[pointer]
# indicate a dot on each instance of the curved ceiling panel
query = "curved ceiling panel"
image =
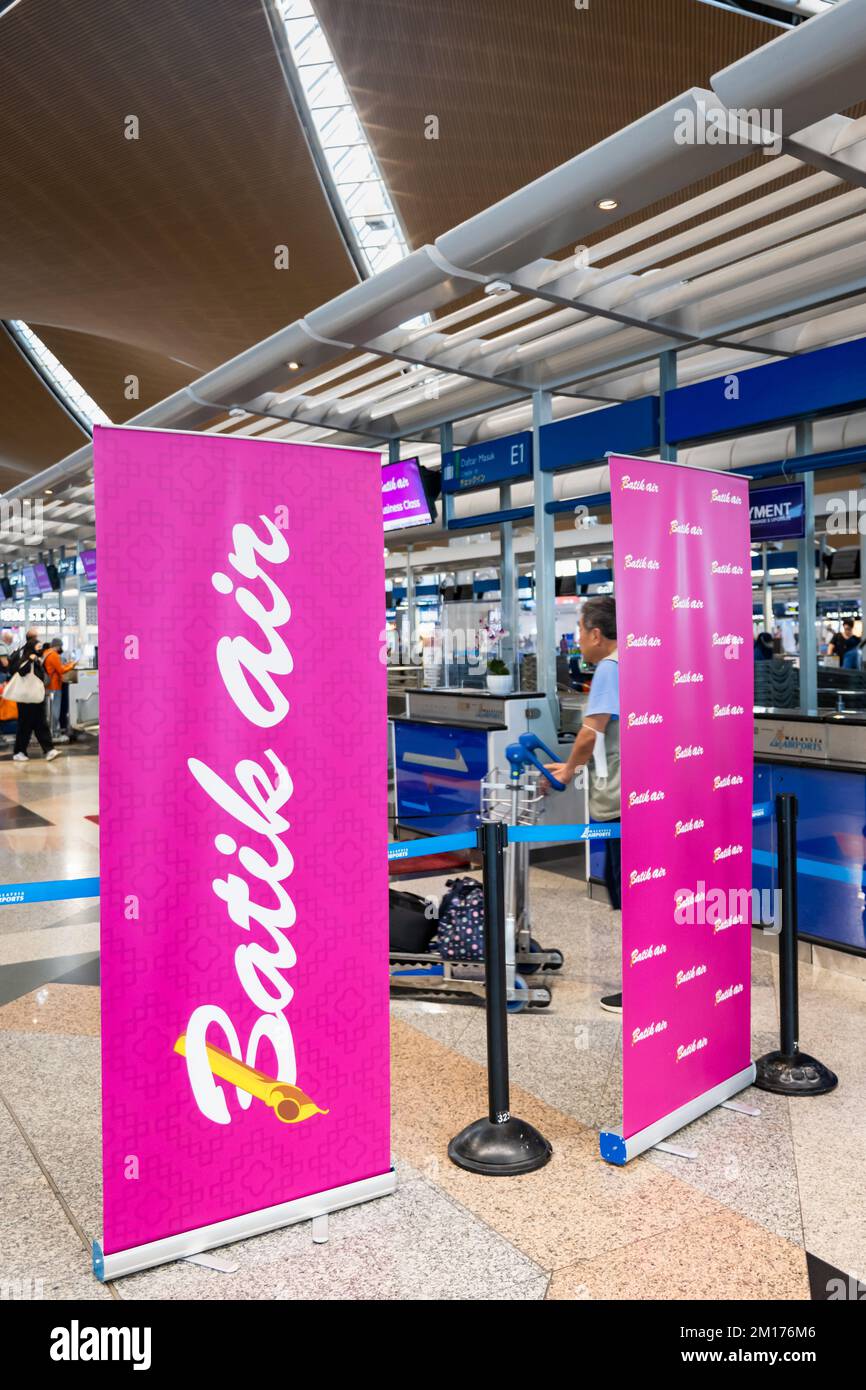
(112, 373)
(517, 88)
(35, 430)
(165, 242)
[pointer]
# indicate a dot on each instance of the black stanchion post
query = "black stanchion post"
(499, 1143)
(790, 1072)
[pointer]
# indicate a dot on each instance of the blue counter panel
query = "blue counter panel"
(831, 824)
(438, 771)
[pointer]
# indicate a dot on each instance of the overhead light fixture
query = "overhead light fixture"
(294, 366)
(607, 204)
(497, 287)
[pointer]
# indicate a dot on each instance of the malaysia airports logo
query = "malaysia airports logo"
(629, 484)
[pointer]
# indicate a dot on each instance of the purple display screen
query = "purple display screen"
(88, 561)
(36, 580)
(404, 502)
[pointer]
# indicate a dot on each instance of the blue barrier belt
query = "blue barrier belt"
(48, 892)
(434, 844)
(520, 834)
(815, 868)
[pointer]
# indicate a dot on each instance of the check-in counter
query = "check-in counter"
(821, 759)
(448, 741)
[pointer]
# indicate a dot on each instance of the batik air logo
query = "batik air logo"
(723, 995)
(640, 562)
(694, 972)
(629, 484)
(681, 601)
(689, 1049)
(726, 852)
(640, 721)
(684, 827)
(688, 750)
(643, 639)
(650, 1031)
(646, 875)
(727, 711)
(648, 953)
(731, 779)
(732, 499)
(684, 528)
(727, 639)
(716, 567)
(688, 677)
(646, 797)
(253, 892)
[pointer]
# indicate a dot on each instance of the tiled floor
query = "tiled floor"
(737, 1222)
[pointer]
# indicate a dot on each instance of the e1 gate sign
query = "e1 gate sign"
(484, 465)
(777, 513)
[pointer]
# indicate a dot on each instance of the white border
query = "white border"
(253, 1223)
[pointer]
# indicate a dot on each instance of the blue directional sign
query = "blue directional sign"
(496, 461)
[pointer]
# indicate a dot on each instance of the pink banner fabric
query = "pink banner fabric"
(684, 623)
(243, 826)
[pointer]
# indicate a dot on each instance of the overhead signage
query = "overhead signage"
(497, 461)
(778, 513)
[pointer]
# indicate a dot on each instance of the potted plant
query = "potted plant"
(498, 677)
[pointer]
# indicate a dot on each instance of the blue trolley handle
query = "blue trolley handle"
(521, 753)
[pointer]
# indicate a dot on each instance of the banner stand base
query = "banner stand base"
(254, 1223)
(618, 1150)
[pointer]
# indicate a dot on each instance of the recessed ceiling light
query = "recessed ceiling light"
(294, 366)
(607, 204)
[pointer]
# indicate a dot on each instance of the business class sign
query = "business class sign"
(684, 621)
(244, 894)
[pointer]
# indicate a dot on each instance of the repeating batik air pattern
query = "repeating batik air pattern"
(684, 624)
(243, 826)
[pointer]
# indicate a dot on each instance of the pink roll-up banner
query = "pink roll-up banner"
(243, 838)
(683, 588)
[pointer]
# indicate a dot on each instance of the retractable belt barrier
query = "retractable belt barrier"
(57, 890)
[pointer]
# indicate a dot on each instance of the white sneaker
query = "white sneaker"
(20, 758)
(52, 753)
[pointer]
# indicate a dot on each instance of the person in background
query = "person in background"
(600, 726)
(854, 657)
(7, 646)
(31, 718)
(55, 670)
(764, 647)
(844, 641)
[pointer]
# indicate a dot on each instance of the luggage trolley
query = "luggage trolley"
(515, 798)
